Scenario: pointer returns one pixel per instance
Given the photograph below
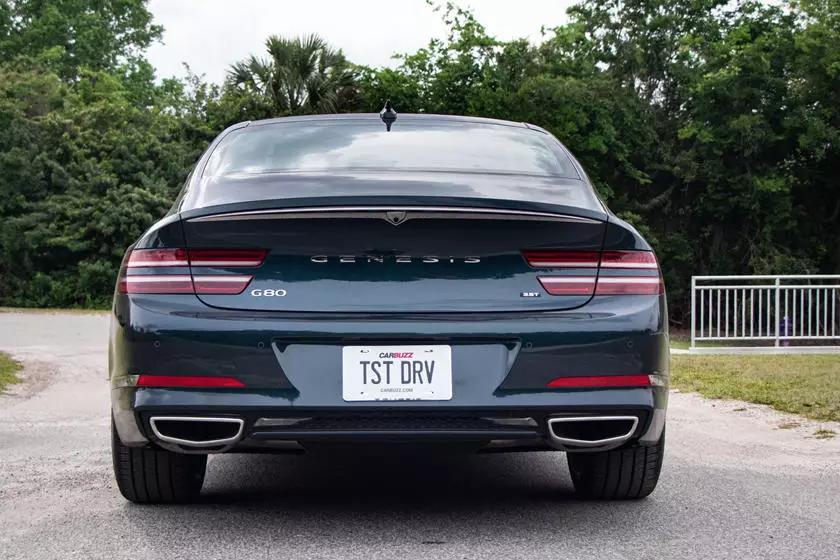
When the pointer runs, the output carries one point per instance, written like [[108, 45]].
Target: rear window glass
[[412, 145]]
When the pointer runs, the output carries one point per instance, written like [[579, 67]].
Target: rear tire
[[151, 476], [620, 474]]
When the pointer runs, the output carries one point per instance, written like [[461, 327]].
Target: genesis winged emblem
[[395, 217]]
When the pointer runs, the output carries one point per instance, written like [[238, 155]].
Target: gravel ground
[[734, 485]]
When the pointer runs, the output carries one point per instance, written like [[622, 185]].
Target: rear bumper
[[268, 419], [291, 367]]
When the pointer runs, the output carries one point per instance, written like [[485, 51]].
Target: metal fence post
[[693, 315], [778, 301]]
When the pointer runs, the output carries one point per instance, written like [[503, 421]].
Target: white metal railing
[[784, 310]]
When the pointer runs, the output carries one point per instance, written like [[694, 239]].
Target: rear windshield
[[411, 145]]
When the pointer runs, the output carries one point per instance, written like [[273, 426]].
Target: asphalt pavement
[[734, 485]]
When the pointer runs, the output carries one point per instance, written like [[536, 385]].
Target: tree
[[713, 127], [301, 75], [814, 123], [83, 173], [72, 34]]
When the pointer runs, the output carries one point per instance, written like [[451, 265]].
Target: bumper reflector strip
[[600, 381], [187, 381]]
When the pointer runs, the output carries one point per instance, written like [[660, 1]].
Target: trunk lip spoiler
[[381, 212]]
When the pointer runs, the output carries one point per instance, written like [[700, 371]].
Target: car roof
[[414, 117]]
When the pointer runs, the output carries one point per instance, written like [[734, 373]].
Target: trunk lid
[[394, 258]]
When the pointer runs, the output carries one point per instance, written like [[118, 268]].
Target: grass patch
[[803, 384], [43, 311], [8, 371], [824, 434], [685, 344], [680, 344]]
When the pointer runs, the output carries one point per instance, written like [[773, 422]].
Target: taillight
[[639, 260], [629, 285], [603, 279], [163, 284], [153, 282], [561, 259], [171, 284], [157, 258], [221, 284], [226, 259], [568, 285]]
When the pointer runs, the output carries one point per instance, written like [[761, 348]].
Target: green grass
[[8, 371], [685, 344], [803, 384], [53, 311]]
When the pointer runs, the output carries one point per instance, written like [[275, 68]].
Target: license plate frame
[[417, 372]]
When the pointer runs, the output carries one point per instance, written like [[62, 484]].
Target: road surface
[[734, 485]]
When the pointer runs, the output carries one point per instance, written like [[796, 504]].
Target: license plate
[[396, 373]]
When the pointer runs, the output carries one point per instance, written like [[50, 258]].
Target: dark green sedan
[[388, 280]]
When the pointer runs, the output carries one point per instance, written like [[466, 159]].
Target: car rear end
[[495, 306]]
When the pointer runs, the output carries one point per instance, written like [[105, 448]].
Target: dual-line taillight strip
[[152, 260], [605, 264]]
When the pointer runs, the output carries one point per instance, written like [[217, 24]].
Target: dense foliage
[[713, 126]]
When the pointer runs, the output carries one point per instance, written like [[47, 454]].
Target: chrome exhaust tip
[[197, 432], [591, 433]]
